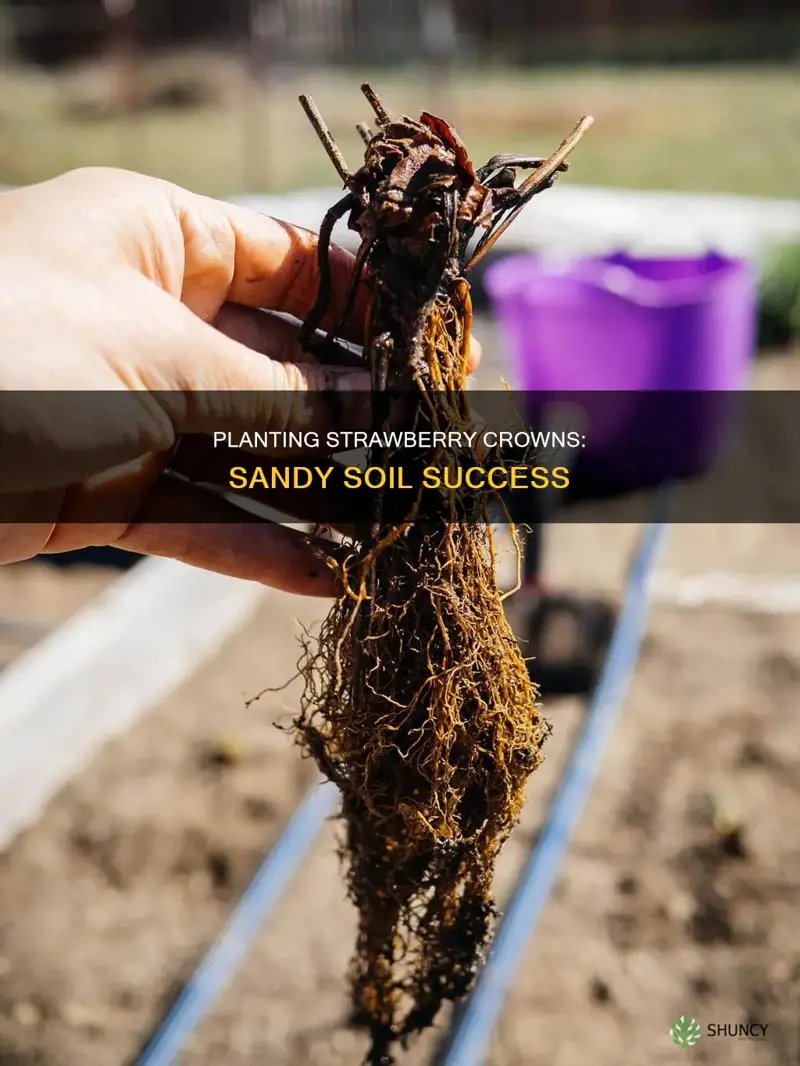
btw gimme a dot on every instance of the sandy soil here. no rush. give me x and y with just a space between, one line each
35 597
678 897
111 898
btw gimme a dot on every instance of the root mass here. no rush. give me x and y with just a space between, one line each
417 701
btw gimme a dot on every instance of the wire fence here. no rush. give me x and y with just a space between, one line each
390 31
204 92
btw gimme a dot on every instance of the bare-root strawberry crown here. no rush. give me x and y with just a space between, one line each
417 701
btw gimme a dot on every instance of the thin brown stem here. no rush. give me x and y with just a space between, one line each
382 115
352 293
317 312
533 183
325 135
364 132
551 165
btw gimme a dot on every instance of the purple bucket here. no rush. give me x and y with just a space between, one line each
660 339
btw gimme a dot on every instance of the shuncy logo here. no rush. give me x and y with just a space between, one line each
751 1031
685 1032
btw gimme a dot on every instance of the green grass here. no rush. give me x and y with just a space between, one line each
731 130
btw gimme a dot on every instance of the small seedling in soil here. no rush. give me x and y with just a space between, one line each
418 703
223 755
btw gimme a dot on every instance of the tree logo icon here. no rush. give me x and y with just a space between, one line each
685 1032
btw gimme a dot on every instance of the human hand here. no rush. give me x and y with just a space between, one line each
114 281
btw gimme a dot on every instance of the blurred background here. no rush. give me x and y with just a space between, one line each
696 95
679 895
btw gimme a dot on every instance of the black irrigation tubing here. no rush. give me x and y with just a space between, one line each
470 1034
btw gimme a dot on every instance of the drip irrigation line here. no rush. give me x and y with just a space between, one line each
222 961
468 1040
473 1026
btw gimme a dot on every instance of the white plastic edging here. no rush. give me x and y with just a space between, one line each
582 219
96 674
738 591
585 219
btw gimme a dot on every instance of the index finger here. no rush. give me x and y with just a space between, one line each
276 266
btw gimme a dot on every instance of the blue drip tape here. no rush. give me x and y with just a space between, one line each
468 1040
222 961
471 1034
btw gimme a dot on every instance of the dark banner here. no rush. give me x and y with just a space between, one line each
345 459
